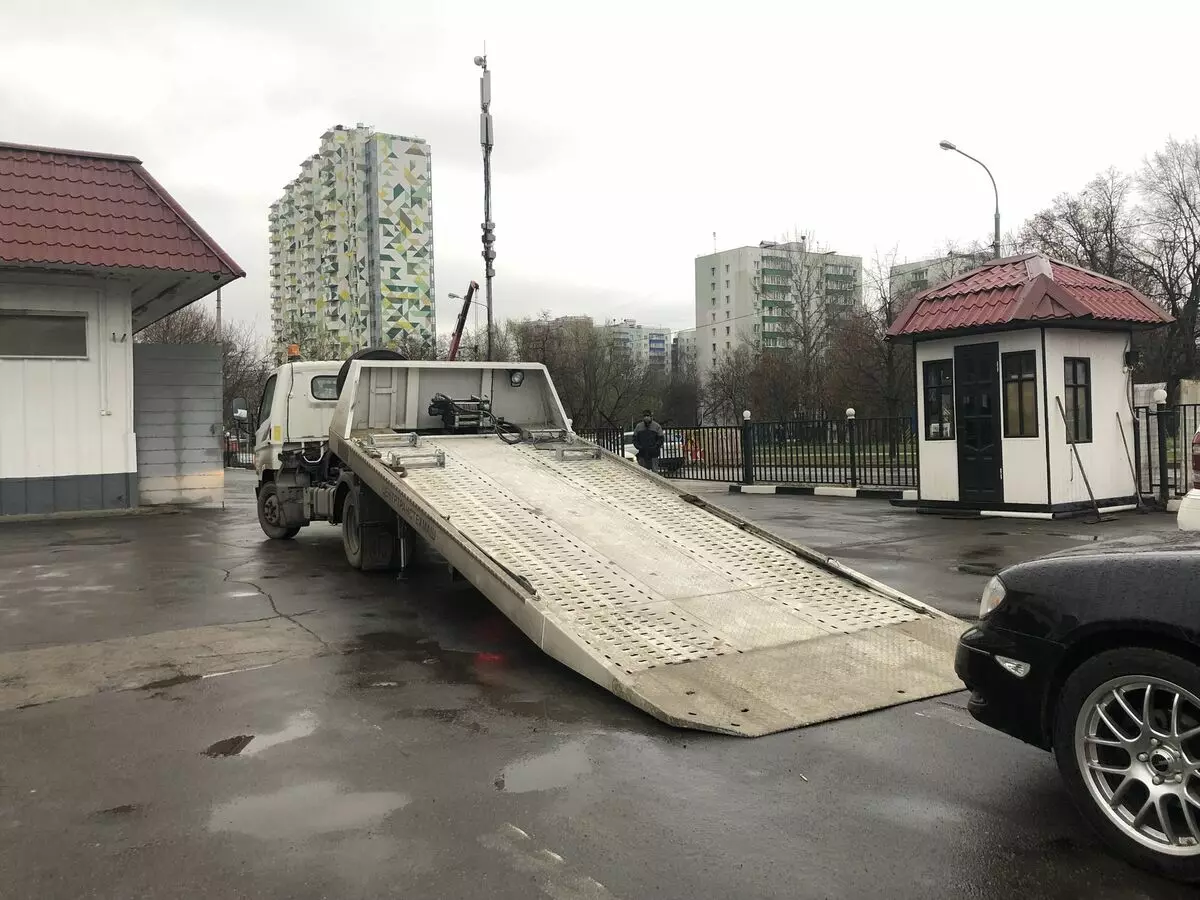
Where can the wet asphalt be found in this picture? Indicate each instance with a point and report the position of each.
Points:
(424, 750)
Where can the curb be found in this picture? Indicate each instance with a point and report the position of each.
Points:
(825, 490)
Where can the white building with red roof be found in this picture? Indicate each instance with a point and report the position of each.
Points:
(1025, 388)
(93, 249)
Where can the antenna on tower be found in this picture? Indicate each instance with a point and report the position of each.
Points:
(714, 242)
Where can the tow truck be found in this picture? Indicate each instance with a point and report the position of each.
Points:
(678, 606)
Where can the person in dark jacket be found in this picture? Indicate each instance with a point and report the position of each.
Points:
(648, 441)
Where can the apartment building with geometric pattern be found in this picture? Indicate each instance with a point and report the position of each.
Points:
(351, 244)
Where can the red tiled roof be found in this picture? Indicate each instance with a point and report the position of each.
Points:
(64, 208)
(1024, 289)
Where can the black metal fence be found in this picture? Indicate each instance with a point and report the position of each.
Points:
(851, 452)
(238, 447)
(1170, 456)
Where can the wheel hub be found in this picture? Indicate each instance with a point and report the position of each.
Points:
(1165, 762)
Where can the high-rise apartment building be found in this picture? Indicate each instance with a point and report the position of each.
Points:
(771, 297)
(648, 344)
(352, 245)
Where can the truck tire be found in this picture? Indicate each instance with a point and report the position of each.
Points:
(369, 547)
(351, 532)
(270, 516)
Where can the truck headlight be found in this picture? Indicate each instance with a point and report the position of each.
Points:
(993, 595)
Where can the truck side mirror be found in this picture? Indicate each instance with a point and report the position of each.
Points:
(239, 409)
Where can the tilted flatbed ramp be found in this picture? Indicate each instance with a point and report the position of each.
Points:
(686, 611)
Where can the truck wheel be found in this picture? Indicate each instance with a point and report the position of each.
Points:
(270, 514)
(351, 532)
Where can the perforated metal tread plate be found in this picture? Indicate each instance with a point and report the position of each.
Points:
(675, 609)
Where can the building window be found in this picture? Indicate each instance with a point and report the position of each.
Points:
(726, 299)
(713, 285)
(1020, 394)
(727, 345)
(714, 270)
(727, 329)
(1077, 379)
(756, 265)
(726, 268)
(939, 400)
(34, 334)
(714, 301)
(756, 329)
(727, 314)
(714, 315)
(714, 332)
(726, 282)
(714, 348)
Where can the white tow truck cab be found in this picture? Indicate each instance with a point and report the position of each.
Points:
(294, 413)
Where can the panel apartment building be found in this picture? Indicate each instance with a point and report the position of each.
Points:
(648, 344)
(765, 296)
(352, 244)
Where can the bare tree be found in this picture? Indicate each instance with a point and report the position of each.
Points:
(600, 384)
(728, 388)
(868, 371)
(1096, 228)
(1169, 255)
(1145, 230)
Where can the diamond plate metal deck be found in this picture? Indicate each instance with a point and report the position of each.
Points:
(686, 614)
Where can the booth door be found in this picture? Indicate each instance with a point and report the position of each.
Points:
(977, 387)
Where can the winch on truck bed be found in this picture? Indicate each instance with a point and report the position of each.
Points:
(675, 605)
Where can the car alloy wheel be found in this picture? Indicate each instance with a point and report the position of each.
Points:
(1137, 744)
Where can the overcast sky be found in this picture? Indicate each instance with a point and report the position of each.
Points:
(626, 133)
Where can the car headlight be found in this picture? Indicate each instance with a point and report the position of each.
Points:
(993, 596)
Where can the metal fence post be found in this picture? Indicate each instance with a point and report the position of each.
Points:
(1164, 486)
(747, 449)
(850, 437)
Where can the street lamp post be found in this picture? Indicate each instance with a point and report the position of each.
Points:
(946, 145)
(489, 227)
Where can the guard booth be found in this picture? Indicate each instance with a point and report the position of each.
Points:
(1024, 388)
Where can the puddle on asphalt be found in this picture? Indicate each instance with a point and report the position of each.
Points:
(169, 682)
(117, 812)
(94, 540)
(298, 726)
(556, 769)
(303, 811)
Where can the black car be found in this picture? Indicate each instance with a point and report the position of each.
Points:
(1094, 654)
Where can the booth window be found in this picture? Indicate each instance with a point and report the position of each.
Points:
(939, 400)
(1020, 394)
(1077, 381)
(43, 335)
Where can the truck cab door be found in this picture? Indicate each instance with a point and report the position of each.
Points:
(262, 435)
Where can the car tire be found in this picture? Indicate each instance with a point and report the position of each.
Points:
(351, 532)
(1110, 760)
(270, 515)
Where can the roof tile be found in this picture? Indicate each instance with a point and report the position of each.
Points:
(60, 207)
(996, 294)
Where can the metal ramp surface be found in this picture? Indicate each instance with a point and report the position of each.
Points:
(685, 611)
